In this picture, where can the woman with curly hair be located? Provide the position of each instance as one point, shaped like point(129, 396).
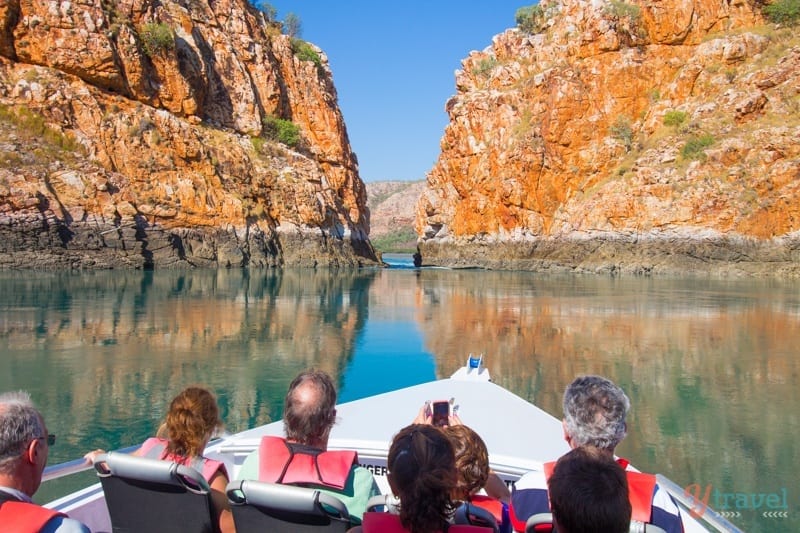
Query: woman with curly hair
point(191, 421)
point(474, 475)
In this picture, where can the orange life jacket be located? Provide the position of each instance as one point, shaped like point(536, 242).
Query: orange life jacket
point(280, 461)
point(640, 490)
point(23, 517)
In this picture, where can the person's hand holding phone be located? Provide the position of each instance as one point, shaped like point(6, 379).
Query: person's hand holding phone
point(424, 414)
point(438, 413)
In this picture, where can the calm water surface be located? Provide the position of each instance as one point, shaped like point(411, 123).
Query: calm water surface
point(710, 366)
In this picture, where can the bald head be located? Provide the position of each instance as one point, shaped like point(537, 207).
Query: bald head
point(310, 409)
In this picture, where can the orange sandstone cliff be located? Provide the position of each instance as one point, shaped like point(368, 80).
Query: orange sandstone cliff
point(639, 137)
point(145, 134)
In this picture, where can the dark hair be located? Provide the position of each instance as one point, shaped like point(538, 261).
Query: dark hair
point(192, 418)
point(472, 460)
point(308, 421)
point(422, 473)
point(589, 493)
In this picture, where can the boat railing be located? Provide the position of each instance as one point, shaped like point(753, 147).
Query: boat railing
point(75, 466)
point(707, 514)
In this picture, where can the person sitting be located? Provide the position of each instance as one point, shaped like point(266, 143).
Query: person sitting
point(192, 419)
point(24, 448)
point(594, 415)
point(474, 474)
point(589, 493)
point(302, 457)
point(422, 474)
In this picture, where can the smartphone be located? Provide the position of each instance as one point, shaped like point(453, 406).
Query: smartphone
point(441, 413)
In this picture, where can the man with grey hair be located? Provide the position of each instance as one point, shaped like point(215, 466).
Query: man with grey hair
point(595, 410)
point(24, 447)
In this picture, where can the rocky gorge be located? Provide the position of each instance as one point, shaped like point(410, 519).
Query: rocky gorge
point(623, 137)
point(612, 137)
point(180, 133)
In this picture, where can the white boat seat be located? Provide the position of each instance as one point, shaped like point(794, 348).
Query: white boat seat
point(145, 495)
point(259, 506)
point(544, 519)
point(471, 514)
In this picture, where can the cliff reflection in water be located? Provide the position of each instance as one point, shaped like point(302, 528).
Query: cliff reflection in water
point(710, 366)
point(106, 351)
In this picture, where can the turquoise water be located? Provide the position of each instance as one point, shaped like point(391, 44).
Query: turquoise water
point(710, 365)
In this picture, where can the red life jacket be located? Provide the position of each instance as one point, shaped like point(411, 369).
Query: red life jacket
point(640, 490)
point(492, 505)
point(155, 448)
point(23, 517)
point(390, 523)
point(280, 461)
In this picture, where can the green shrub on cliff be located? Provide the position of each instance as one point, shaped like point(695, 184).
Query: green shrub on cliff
point(695, 147)
point(621, 10)
point(305, 52)
point(783, 11)
point(485, 66)
point(626, 20)
point(281, 130)
point(157, 38)
point(673, 117)
point(622, 131)
point(530, 19)
point(32, 123)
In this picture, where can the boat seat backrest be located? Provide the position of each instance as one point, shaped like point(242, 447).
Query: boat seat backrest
point(384, 502)
point(539, 523)
point(641, 527)
point(145, 494)
point(543, 523)
point(259, 506)
point(467, 513)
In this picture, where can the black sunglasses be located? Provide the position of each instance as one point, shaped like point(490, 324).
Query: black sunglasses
point(50, 438)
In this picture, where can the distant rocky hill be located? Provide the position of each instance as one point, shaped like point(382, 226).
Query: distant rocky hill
point(392, 209)
point(623, 136)
point(175, 133)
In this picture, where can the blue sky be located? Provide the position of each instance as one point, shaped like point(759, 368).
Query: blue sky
point(393, 65)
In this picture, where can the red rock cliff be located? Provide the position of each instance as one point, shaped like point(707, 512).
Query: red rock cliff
point(133, 135)
point(642, 136)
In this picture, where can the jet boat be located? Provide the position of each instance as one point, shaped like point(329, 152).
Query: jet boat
point(520, 438)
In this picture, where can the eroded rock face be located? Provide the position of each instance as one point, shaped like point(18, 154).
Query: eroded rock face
point(563, 150)
point(153, 151)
